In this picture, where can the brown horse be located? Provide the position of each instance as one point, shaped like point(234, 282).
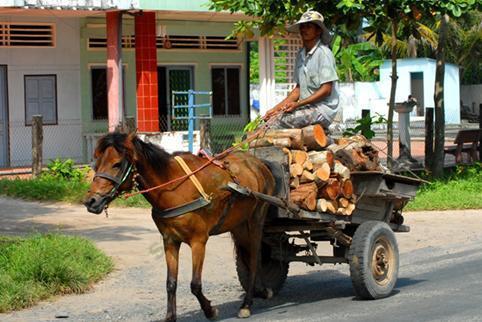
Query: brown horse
point(123, 159)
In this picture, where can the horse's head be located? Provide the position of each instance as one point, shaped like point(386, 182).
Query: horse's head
point(114, 170)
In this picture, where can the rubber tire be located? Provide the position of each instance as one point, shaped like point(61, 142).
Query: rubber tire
point(360, 257)
point(272, 273)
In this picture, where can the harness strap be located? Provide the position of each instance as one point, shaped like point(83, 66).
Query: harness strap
point(193, 178)
point(104, 175)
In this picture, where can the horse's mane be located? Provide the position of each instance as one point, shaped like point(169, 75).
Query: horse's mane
point(155, 155)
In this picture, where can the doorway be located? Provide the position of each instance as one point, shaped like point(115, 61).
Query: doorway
point(4, 159)
point(173, 78)
point(416, 89)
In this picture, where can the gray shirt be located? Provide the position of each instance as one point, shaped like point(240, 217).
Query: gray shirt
point(312, 70)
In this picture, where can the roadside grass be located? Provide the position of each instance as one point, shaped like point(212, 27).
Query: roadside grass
point(459, 189)
point(39, 266)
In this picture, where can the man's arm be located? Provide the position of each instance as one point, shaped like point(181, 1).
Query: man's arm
point(322, 92)
point(292, 97)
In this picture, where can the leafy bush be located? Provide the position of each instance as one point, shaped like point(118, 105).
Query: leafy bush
point(37, 267)
point(364, 126)
point(65, 169)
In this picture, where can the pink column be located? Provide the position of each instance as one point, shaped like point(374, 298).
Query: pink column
point(146, 73)
point(114, 69)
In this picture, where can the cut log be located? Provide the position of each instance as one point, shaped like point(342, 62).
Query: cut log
point(350, 208)
point(343, 171)
point(331, 190)
point(307, 176)
point(282, 142)
point(323, 172)
point(343, 202)
point(299, 157)
point(341, 211)
point(314, 137)
point(308, 165)
point(296, 136)
point(347, 189)
point(305, 196)
point(320, 157)
point(331, 206)
point(296, 169)
point(288, 153)
point(321, 205)
point(261, 142)
point(295, 182)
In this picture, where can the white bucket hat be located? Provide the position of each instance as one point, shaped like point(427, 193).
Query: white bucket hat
point(313, 17)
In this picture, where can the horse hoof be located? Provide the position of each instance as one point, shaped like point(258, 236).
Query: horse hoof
point(268, 293)
point(244, 313)
point(214, 314)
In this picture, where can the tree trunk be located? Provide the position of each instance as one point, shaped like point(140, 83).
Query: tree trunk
point(438, 162)
point(393, 90)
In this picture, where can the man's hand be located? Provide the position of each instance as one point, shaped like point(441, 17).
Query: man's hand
point(270, 113)
point(290, 106)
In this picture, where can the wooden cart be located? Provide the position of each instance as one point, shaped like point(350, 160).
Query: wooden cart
point(365, 240)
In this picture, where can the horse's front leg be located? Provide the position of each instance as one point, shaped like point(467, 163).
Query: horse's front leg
point(198, 249)
point(171, 251)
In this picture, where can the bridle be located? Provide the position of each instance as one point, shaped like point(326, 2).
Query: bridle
point(125, 170)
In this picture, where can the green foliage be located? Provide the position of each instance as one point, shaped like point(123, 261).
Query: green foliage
point(364, 126)
point(64, 169)
point(45, 187)
point(465, 182)
point(254, 124)
point(40, 266)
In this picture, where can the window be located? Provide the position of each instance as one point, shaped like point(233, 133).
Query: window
point(41, 98)
point(19, 34)
point(99, 92)
point(225, 86)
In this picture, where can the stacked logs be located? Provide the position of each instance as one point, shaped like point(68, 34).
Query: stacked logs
point(320, 168)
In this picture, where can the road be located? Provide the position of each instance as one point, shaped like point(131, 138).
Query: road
point(440, 273)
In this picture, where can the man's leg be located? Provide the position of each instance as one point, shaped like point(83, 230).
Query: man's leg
point(300, 118)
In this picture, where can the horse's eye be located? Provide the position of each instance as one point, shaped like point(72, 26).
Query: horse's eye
point(117, 165)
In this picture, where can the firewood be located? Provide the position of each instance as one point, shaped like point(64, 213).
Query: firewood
point(261, 142)
point(296, 169)
point(299, 157)
point(308, 165)
point(341, 211)
point(323, 172)
point(282, 142)
point(350, 208)
point(341, 170)
point(347, 189)
point(305, 196)
point(295, 135)
point(307, 176)
point(321, 205)
point(314, 137)
point(331, 206)
point(331, 190)
point(343, 202)
point(295, 182)
point(320, 157)
point(288, 153)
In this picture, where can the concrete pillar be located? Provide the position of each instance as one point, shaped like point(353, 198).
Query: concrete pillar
point(146, 73)
point(114, 69)
point(266, 75)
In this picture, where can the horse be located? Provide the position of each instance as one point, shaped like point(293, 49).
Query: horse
point(123, 161)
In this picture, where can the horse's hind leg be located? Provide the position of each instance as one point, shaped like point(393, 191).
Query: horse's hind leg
point(255, 232)
point(198, 249)
point(171, 250)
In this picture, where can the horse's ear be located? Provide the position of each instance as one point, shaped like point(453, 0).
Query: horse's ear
point(129, 145)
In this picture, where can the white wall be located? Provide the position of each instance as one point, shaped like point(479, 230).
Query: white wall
point(62, 140)
point(471, 96)
point(427, 66)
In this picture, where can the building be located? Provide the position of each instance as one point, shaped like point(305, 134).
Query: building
point(62, 59)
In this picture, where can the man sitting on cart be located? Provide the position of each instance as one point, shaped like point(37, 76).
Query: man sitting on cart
point(314, 100)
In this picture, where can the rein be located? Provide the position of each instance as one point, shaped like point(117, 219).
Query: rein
point(216, 157)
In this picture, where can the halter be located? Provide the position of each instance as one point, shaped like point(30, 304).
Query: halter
point(119, 179)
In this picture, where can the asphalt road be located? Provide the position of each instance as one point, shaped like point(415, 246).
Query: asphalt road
point(435, 284)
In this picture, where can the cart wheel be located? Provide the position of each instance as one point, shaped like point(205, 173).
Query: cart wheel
point(271, 275)
point(373, 257)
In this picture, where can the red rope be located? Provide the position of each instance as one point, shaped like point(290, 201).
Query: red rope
point(220, 155)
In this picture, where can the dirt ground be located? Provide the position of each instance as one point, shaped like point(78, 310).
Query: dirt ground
point(135, 291)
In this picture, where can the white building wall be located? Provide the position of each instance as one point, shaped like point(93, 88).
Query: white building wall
point(63, 140)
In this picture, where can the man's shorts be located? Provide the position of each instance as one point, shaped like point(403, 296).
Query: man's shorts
point(301, 117)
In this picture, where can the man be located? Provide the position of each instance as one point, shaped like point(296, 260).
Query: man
point(314, 100)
